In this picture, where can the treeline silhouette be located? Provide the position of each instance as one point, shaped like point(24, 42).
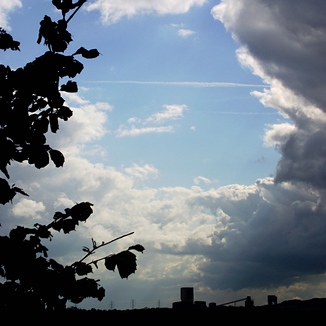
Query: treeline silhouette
point(289, 311)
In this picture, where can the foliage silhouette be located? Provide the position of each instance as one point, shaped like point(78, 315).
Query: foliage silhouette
point(31, 105)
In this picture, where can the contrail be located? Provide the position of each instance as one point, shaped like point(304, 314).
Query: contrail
point(186, 84)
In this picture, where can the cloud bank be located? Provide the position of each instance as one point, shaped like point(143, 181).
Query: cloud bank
point(283, 44)
point(292, 63)
point(112, 11)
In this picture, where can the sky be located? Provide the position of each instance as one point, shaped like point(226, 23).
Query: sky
point(201, 128)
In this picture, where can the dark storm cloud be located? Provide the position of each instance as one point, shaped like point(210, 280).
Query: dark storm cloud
point(287, 38)
point(270, 237)
point(304, 159)
point(284, 43)
point(282, 239)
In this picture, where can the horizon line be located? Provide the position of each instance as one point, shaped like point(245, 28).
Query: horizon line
point(173, 83)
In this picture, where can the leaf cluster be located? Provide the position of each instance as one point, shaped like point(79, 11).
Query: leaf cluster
point(7, 41)
point(31, 105)
point(33, 278)
point(31, 99)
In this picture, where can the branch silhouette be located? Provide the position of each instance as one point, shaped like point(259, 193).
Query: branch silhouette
point(95, 247)
point(31, 106)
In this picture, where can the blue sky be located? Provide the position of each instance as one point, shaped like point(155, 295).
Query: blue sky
point(200, 128)
point(218, 133)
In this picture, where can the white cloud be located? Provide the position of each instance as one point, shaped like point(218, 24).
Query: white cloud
point(141, 172)
point(113, 10)
point(28, 208)
point(6, 6)
point(185, 32)
point(87, 124)
point(134, 120)
point(200, 179)
point(170, 112)
point(278, 134)
point(133, 131)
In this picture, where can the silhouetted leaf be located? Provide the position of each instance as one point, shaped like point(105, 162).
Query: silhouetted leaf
point(100, 293)
point(42, 103)
point(110, 262)
point(59, 215)
point(81, 211)
point(55, 35)
point(56, 266)
point(57, 157)
point(83, 268)
point(64, 113)
point(7, 193)
point(125, 261)
point(41, 125)
point(21, 191)
point(43, 231)
point(37, 138)
point(66, 5)
point(87, 54)
point(4, 171)
point(55, 100)
point(69, 225)
point(66, 225)
point(7, 41)
point(40, 157)
point(18, 234)
point(137, 247)
point(69, 67)
point(70, 87)
point(86, 249)
point(8, 150)
point(87, 287)
point(54, 124)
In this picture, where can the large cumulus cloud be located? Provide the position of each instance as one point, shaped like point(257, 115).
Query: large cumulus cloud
point(286, 38)
point(284, 44)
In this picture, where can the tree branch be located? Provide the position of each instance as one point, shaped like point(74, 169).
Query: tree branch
point(102, 245)
point(74, 13)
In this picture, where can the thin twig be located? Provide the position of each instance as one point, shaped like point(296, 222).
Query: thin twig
point(102, 245)
point(74, 13)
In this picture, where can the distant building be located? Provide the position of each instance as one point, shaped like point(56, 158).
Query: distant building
point(212, 305)
point(200, 304)
point(187, 300)
point(249, 303)
point(187, 294)
point(272, 300)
